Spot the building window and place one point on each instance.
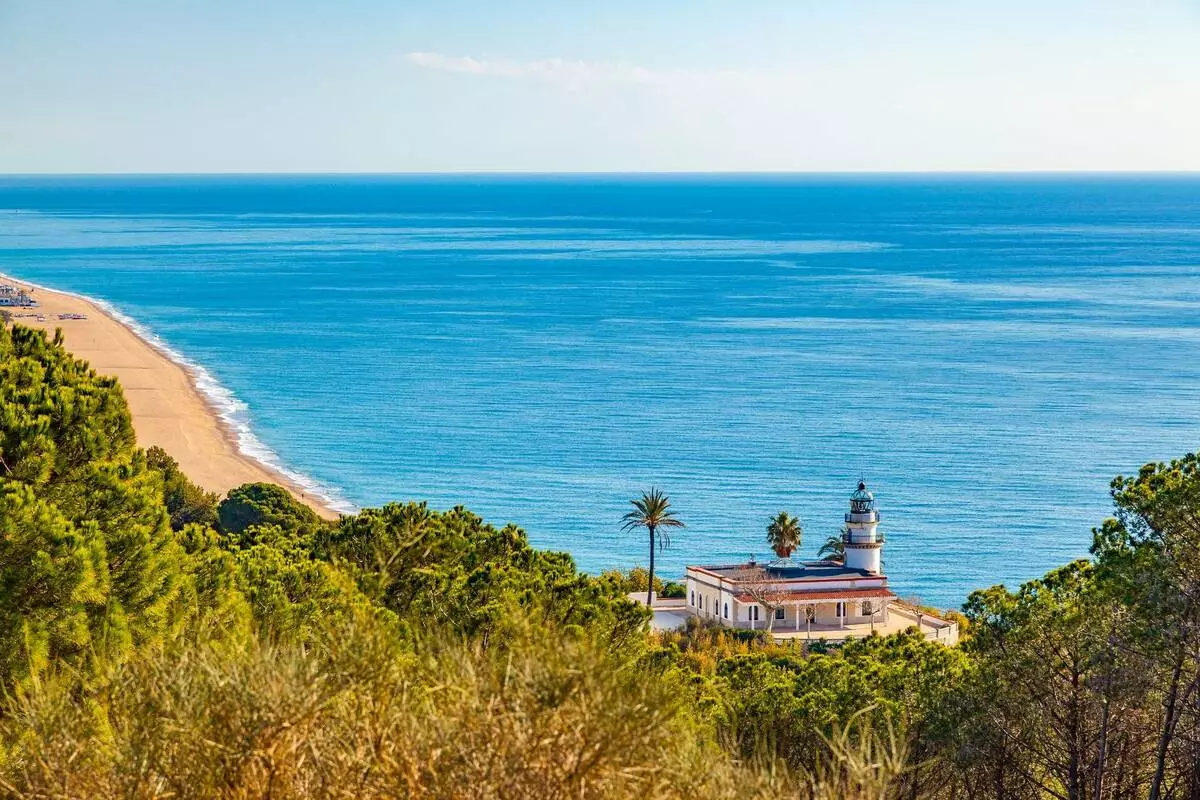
(691, 598)
(779, 613)
(754, 613)
(841, 610)
(810, 614)
(866, 608)
(727, 611)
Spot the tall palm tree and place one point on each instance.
(784, 534)
(652, 511)
(834, 548)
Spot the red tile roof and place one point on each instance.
(832, 594)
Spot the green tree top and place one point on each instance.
(784, 534)
(652, 511)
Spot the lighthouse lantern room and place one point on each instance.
(861, 537)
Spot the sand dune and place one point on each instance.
(167, 409)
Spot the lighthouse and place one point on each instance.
(828, 599)
(863, 543)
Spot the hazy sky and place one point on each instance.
(407, 85)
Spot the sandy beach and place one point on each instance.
(167, 409)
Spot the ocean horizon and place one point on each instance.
(986, 351)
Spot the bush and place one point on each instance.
(673, 589)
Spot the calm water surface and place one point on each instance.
(986, 352)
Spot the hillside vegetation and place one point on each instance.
(159, 641)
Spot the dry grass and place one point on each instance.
(356, 719)
(861, 763)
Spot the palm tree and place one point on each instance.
(652, 511)
(834, 548)
(784, 534)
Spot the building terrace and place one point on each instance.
(828, 599)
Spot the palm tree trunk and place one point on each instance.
(650, 585)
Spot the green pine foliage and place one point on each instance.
(186, 502)
(53, 585)
(76, 491)
(58, 416)
(452, 572)
(637, 579)
(264, 504)
(294, 597)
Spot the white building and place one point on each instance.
(814, 599)
(15, 297)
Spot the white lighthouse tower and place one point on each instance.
(863, 543)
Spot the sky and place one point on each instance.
(574, 86)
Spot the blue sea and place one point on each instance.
(986, 352)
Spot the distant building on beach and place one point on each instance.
(829, 599)
(14, 297)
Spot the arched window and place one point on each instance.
(691, 598)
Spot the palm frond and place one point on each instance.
(834, 548)
(652, 509)
(784, 534)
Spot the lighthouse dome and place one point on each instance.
(862, 500)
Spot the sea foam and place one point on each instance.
(233, 412)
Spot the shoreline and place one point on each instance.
(166, 400)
